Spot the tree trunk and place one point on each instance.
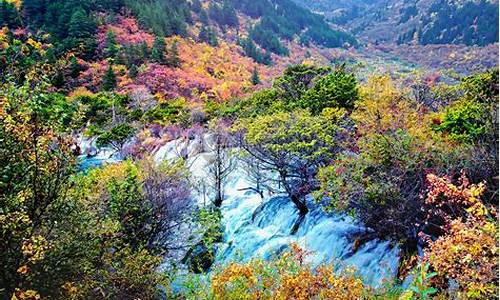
(218, 196)
(301, 205)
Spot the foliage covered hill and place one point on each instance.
(472, 22)
(273, 21)
(212, 51)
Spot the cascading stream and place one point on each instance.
(256, 227)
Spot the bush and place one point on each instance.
(287, 277)
(468, 254)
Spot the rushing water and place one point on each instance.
(255, 227)
(91, 156)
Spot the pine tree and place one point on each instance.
(173, 59)
(81, 25)
(110, 47)
(34, 11)
(133, 71)
(196, 6)
(229, 14)
(81, 30)
(109, 80)
(158, 50)
(74, 67)
(144, 50)
(208, 35)
(255, 77)
(203, 17)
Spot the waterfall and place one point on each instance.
(255, 227)
(261, 228)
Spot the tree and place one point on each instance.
(35, 172)
(173, 56)
(81, 31)
(144, 50)
(337, 89)
(223, 162)
(196, 6)
(255, 174)
(293, 145)
(116, 137)
(34, 11)
(9, 16)
(295, 82)
(109, 80)
(208, 35)
(110, 45)
(255, 77)
(158, 50)
(133, 71)
(74, 67)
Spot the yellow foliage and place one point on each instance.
(289, 277)
(384, 107)
(468, 254)
(25, 295)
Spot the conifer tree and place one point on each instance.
(133, 71)
(109, 80)
(81, 30)
(144, 50)
(8, 14)
(74, 67)
(158, 50)
(255, 77)
(110, 48)
(173, 59)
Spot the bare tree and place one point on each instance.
(255, 174)
(223, 162)
(167, 193)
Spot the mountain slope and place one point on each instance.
(470, 22)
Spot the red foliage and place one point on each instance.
(127, 32)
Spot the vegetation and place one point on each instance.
(165, 88)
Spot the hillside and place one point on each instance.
(472, 22)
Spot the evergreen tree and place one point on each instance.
(110, 47)
(255, 77)
(81, 30)
(203, 17)
(173, 59)
(34, 11)
(158, 50)
(133, 71)
(196, 6)
(144, 50)
(74, 67)
(109, 80)
(337, 89)
(229, 14)
(208, 35)
(81, 25)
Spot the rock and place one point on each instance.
(91, 151)
(200, 258)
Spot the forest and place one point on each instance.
(196, 149)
